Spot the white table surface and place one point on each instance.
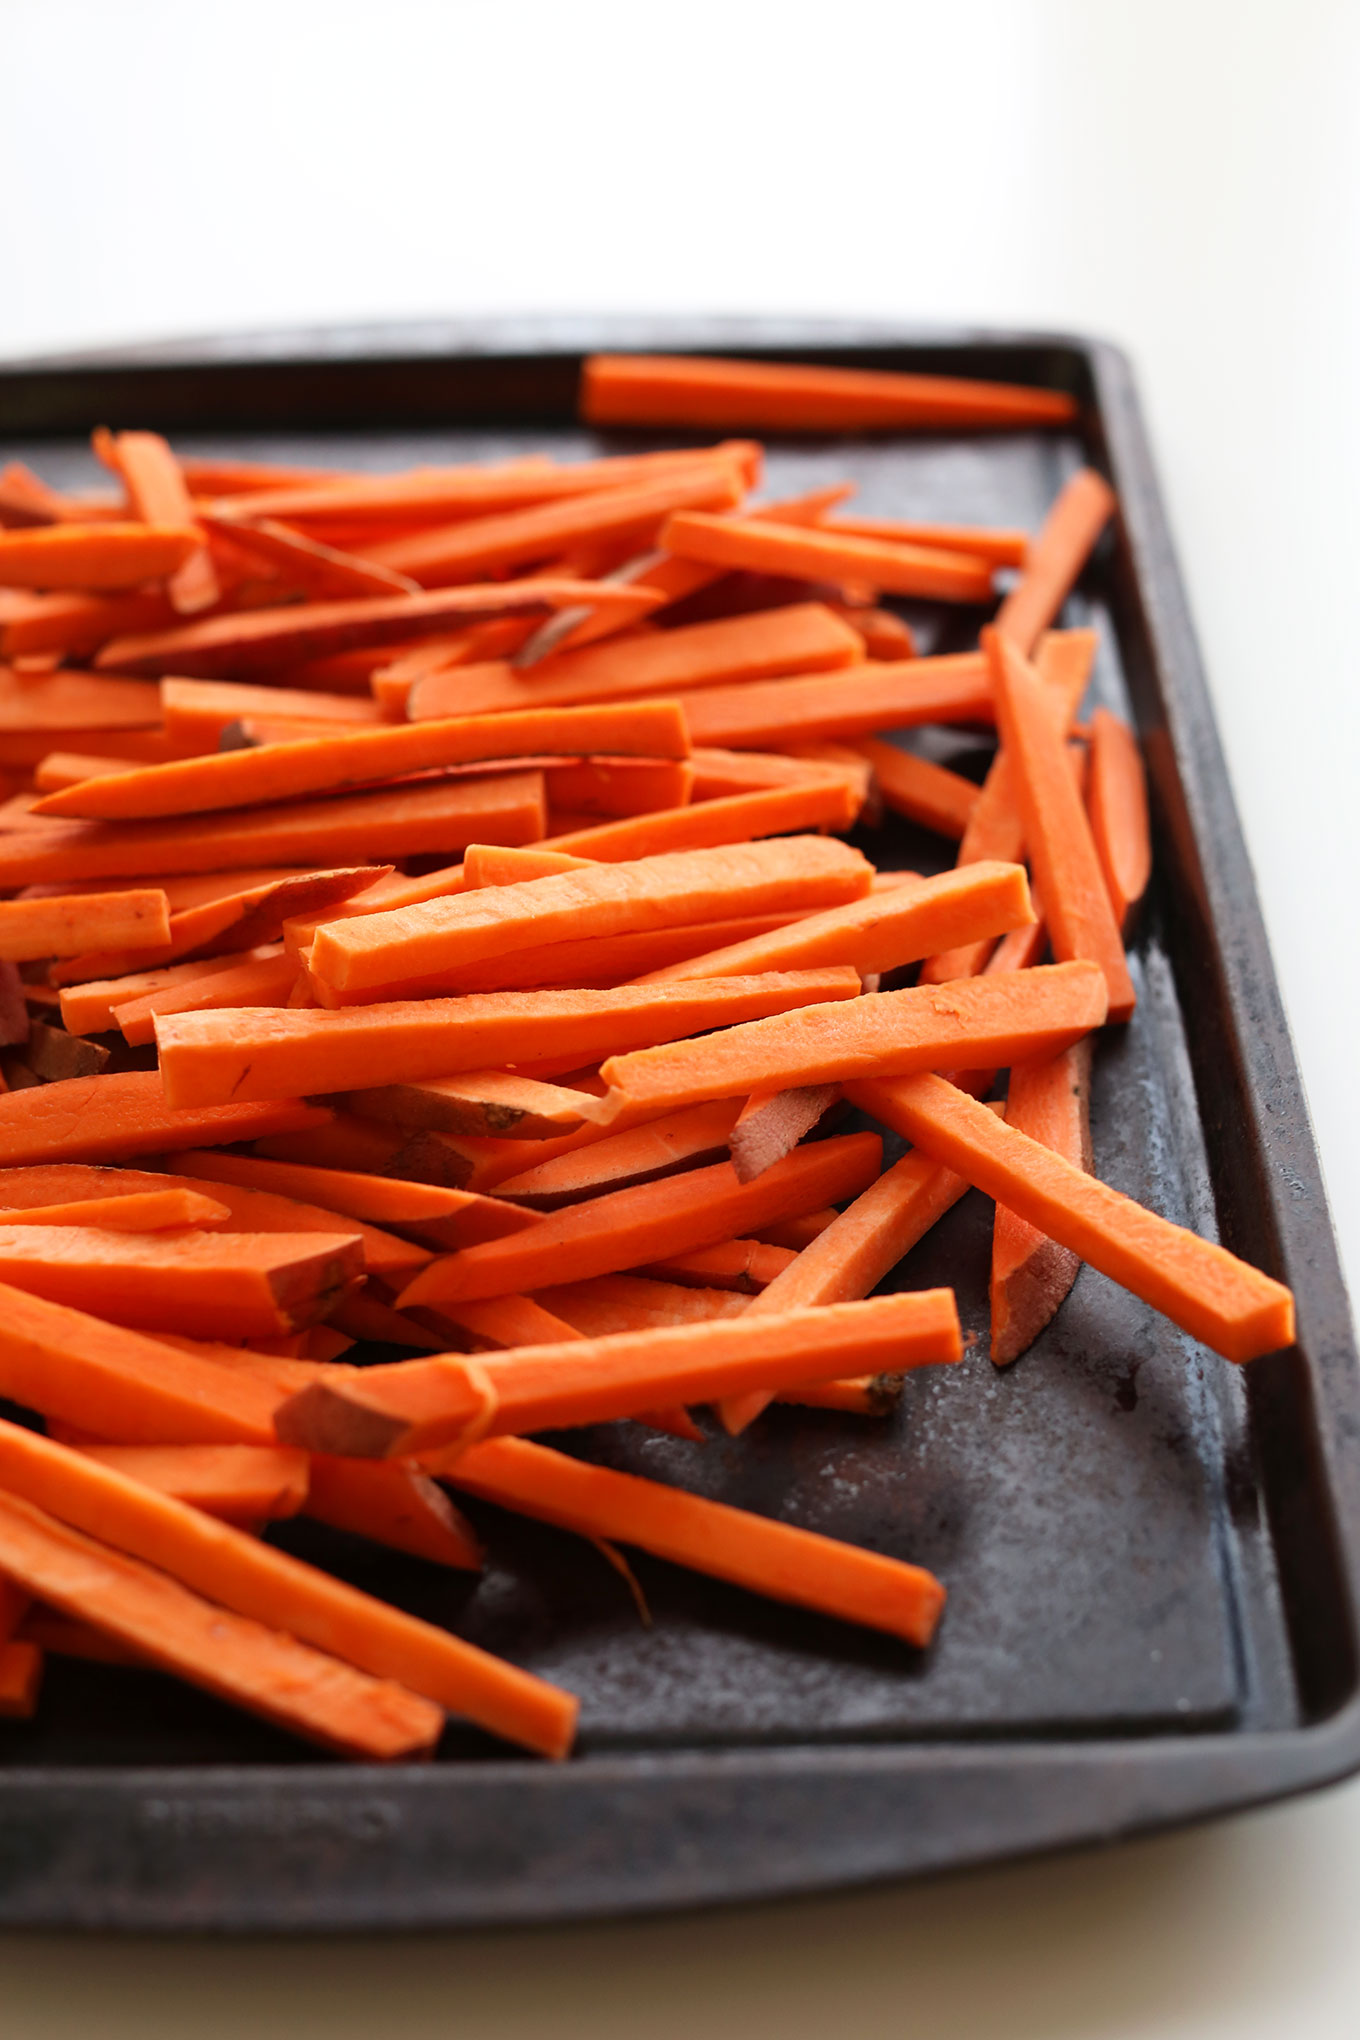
(1180, 175)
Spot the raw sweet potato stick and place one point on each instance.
(93, 556)
(288, 1682)
(65, 926)
(159, 494)
(768, 714)
(1031, 1274)
(210, 1057)
(806, 637)
(765, 1556)
(981, 1024)
(994, 828)
(337, 762)
(421, 1406)
(764, 396)
(1067, 870)
(627, 1228)
(268, 1586)
(802, 873)
(1056, 557)
(255, 640)
(881, 932)
(1117, 803)
(818, 554)
(1232, 1307)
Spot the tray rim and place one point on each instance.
(876, 1811)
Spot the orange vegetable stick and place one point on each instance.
(880, 932)
(75, 1183)
(263, 1211)
(994, 828)
(632, 1303)
(51, 702)
(92, 556)
(979, 1024)
(818, 554)
(196, 712)
(423, 1405)
(243, 1483)
(334, 762)
(604, 899)
(617, 786)
(771, 1124)
(1117, 803)
(690, 391)
(929, 794)
(60, 769)
(745, 1266)
(699, 1208)
(1020, 950)
(510, 864)
(432, 494)
(299, 930)
(505, 1321)
(674, 578)
(763, 714)
(264, 979)
(232, 923)
(884, 635)
(64, 926)
(764, 1556)
(408, 821)
(832, 803)
(122, 1385)
(1032, 1274)
(718, 773)
(447, 1218)
(266, 1585)
(1067, 870)
(72, 625)
(210, 1057)
(852, 1256)
(261, 639)
(1001, 548)
(1200, 1286)
(487, 1102)
(625, 516)
(241, 1285)
(627, 1303)
(641, 1154)
(366, 1317)
(239, 477)
(440, 1160)
(798, 1233)
(111, 1118)
(299, 1688)
(306, 562)
(25, 499)
(394, 1505)
(599, 961)
(158, 494)
(1083, 508)
(137, 1212)
(806, 637)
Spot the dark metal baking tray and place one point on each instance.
(1152, 1557)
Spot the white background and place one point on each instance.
(1181, 175)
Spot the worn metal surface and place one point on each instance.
(1151, 1556)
